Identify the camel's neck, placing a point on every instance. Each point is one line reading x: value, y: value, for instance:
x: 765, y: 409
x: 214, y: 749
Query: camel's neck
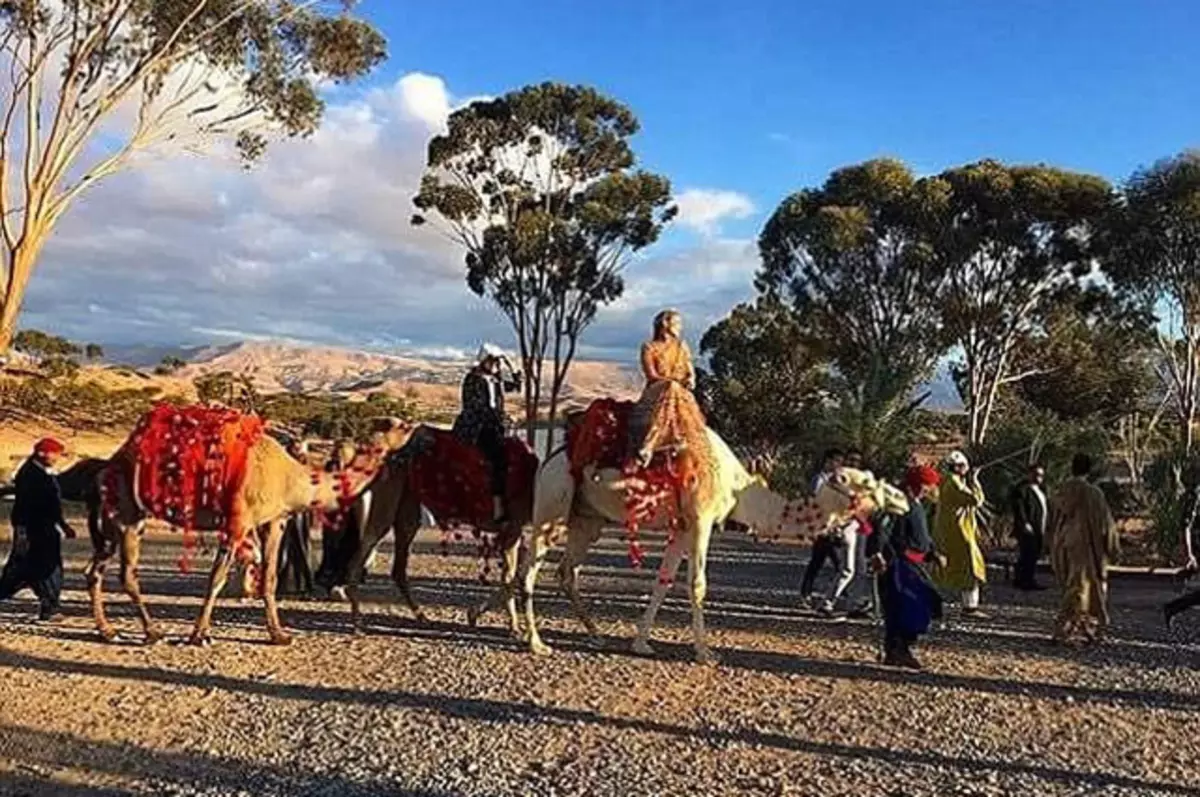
x: 761, y: 509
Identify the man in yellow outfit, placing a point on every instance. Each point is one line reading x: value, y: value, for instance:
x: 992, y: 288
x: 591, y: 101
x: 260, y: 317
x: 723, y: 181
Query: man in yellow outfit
x: 1083, y: 543
x: 956, y: 534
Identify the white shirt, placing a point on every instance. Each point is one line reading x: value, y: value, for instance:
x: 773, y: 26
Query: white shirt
x: 1041, y: 497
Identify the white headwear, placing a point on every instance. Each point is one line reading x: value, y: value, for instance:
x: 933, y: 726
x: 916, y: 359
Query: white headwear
x: 490, y: 350
x: 958, y: 459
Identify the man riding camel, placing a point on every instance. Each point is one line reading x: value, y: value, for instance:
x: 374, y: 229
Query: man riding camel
x: 481, y: 422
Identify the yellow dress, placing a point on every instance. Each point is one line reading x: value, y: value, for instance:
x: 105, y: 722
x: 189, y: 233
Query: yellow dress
x: 667, y: 414
x: 956, y: 534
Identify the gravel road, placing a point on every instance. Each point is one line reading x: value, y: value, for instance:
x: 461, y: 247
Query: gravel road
x: 797, y: 705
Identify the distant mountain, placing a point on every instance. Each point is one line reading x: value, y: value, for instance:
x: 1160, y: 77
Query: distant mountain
x: 432, y: 382
x: 943, y: 395
x: 144, y: 355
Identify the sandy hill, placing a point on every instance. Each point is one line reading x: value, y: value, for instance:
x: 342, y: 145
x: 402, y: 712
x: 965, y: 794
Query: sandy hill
x: 433, y: 383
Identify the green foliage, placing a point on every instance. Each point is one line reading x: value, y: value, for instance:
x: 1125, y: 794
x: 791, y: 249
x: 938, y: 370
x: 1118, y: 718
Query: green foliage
x: 1011, y: 238
x: 763, y: 385
x: 852, y: 259
x: 1152, y: 250
x: 169, y: 365
x: 41, y: 345
x: 79, y: 404
x: 228, y: 389
x: 1024, y: 435
x: 539, y: 188
x: 276, y: 50
x: 332, y: 418
x: 1153, y: 237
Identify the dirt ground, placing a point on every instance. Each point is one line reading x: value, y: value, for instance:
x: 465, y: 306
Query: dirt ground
x: 797, y: 706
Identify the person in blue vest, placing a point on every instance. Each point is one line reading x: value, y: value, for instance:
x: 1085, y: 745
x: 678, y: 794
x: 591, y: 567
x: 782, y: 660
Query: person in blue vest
x: 481, y: 421
x: 37, y: 520
x: 900, y: 548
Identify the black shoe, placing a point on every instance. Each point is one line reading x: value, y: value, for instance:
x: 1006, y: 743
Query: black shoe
x: 53, y: 616
x: 1169, y: 615
x: 860, y: 613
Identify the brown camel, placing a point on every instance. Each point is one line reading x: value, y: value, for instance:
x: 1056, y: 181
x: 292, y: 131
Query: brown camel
x: 392, y: 501
x: 275, y: 486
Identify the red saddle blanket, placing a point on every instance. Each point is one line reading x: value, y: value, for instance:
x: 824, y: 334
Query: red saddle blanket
x: 189, y: 460
x: 601, y: 439
x: 452, y: 479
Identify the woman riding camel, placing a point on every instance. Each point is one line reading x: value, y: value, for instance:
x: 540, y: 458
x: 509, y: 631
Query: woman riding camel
x: 667, y: 413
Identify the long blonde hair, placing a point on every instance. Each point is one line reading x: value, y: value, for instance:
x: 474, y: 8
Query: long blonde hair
x: 661, y: 320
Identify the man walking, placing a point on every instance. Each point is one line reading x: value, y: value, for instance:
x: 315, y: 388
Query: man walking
x: 37, y: 518
x: 900, y: 550
x: 1083, y: 543
x: 956, y: 534
x: 1029, y: 511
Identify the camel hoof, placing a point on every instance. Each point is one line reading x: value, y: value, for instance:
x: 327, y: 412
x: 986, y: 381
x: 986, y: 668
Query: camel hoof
x: 706, y: 656
x: 421, y: 617
x: 642, y: 647
x: 108, y: 634
x: 591, y: 629
x: 199, y: 640
x: 473, y: 614
x: 154, y: 636
x: 281, y: 638
x: 539, y: 648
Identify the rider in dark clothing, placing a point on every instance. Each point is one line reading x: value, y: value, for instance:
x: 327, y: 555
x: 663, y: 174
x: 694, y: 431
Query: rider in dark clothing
x: 481, y: 421
x: 37, y: 517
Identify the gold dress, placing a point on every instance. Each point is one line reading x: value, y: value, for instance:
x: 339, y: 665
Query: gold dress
x: 667, y: 414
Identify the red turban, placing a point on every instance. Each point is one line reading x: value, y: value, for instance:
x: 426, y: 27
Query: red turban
x: 919, y: 476
x: 48, y: 445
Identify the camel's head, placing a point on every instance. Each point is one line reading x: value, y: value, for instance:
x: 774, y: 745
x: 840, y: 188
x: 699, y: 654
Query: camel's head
x: 864, y: 494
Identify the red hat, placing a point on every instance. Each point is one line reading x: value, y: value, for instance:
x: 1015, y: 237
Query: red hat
x: 48, y: 445
x: 919, y: 476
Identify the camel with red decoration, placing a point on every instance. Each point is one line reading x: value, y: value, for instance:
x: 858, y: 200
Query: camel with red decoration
x: 584, y: 487
x: 436, y: 470
x: 207, y: 469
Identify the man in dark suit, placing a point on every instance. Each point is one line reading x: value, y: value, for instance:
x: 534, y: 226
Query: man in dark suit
x: 481, y: 421
x: 36, y: 558
x: 1028, y: 504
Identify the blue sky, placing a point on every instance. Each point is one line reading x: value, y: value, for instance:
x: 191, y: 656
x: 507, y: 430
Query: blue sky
x: 764, y: 97
x: 740, y: 105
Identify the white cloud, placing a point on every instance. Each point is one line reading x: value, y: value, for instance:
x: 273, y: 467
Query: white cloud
x: 704, y: 209
x: 315, y: 244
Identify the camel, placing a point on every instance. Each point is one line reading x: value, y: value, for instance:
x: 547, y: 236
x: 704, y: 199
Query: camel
x: 275, y: 486
x: 392, y: 502
x: 600, y: 499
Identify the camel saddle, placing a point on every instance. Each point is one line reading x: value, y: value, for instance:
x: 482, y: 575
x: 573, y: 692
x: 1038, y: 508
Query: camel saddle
x: 451, y: 478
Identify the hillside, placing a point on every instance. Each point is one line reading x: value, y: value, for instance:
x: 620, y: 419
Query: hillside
x: 432, y: 383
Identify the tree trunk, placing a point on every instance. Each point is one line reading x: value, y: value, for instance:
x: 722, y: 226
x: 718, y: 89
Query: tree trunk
x: 21, y: 260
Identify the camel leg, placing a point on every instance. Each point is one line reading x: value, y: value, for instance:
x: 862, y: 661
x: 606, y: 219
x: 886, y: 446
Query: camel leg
x: 505, y: 593
x: 216, y: 583
x: 539, y: 546
x: 102, y: 551
x: 270, y: 553
x: 367, y: 542
x: 404, y: 534
x: 697, y: 575
x: 131, y: 551
x: 672, y: 556
x: 583, y: 534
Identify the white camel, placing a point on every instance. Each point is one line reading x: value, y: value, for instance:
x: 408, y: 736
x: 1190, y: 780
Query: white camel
x: 583, y: 509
